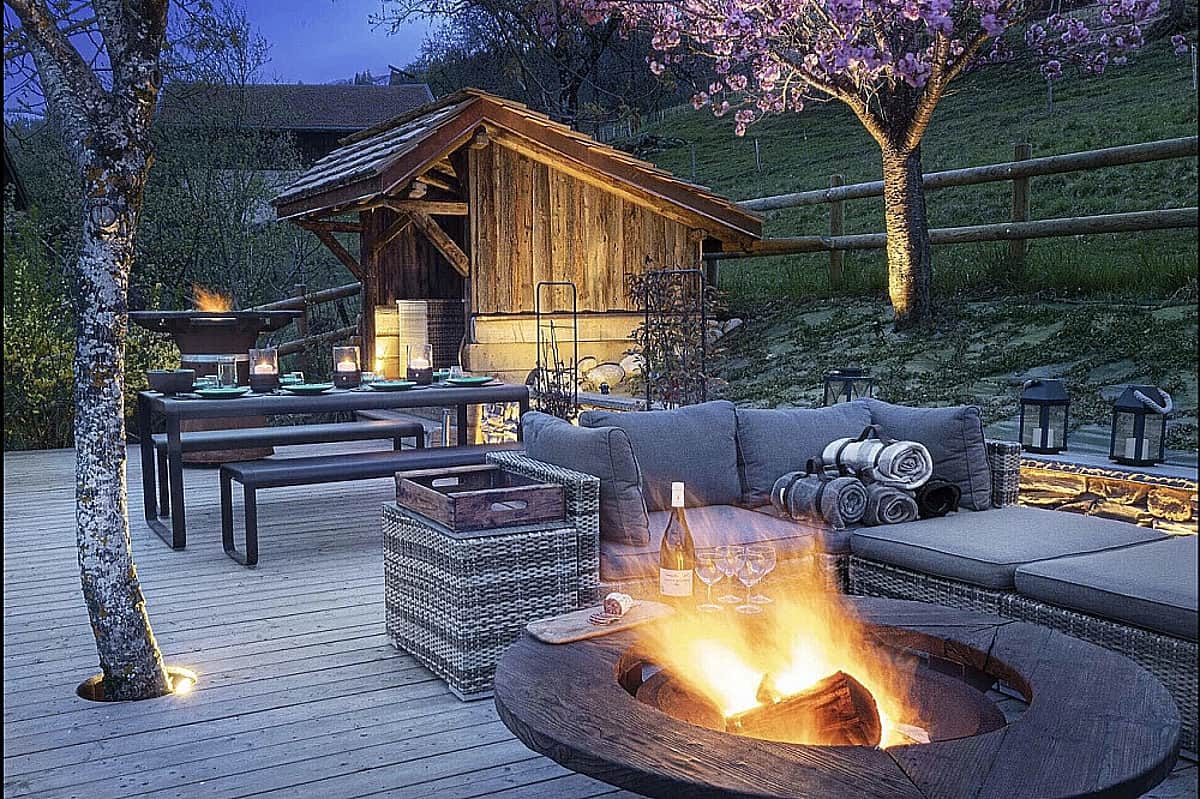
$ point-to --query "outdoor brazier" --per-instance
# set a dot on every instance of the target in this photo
(1096, 724)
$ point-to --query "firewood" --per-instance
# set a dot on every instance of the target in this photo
(1052, 482)
(1121, 492)
(1125, 513)
(838, 710)
(1175, 506)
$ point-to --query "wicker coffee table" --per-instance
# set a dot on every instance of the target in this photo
(456, 600)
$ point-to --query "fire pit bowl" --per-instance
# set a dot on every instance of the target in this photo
(1097, 725)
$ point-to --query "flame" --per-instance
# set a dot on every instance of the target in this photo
(210, 299)
(807, 635)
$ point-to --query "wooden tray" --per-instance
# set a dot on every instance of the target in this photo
(479, 497)
(575, 626)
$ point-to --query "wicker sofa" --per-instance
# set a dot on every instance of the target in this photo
(1001, 560)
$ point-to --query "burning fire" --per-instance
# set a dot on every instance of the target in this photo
(210, 300)
(809, 636)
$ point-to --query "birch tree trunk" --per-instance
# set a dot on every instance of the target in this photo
(910, 265)
(106, 131)
(129, 656)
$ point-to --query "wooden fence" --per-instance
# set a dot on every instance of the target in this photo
(303, 301)
(1016, 231)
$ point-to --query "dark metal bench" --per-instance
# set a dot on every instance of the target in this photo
(284, 435)
(280, 472)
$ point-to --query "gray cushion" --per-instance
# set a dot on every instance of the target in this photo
(772, 443)
(1151, 586)
(602, 452)
(711, 526)
(986, 548)
(954, 438)
(695, 444)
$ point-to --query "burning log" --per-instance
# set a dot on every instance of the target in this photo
(838, 710)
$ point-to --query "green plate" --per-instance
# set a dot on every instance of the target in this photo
(441, 374)
(392, 385)
(305, 389)
(478, 380)
(224, 392)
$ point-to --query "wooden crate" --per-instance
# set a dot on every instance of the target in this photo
(479, 497)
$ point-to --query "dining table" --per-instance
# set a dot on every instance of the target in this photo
(174, 409)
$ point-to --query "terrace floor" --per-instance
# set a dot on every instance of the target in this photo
(300, 694)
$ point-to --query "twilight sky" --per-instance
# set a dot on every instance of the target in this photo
(320, 41)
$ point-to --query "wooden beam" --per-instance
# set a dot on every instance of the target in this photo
(438, 181)
(417, 190)
(341, 253)
(389, 235)
(332, 226)
(434, 207)
(444, 244)
(480, 139)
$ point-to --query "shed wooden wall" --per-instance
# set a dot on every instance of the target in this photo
(530, 223)
(409, 267)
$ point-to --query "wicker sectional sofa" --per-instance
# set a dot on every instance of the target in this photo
(1127, 588)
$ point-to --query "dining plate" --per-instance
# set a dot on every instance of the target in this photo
(305, 389)
(392, 385)
(223, 392)
(441, 374)
(477, 380)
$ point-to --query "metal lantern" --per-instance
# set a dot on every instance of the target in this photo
(1044, 405)
(1139, 426)
(846, 384)
(347, 370)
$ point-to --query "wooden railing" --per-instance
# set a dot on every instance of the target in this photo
(1016, 231)
(303, 301)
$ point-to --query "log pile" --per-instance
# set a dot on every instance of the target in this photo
(836, 711)
(1128, 497)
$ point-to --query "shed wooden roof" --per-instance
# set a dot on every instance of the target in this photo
(381, 161)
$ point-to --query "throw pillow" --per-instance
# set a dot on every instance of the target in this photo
(602, 452)
(696, 444)
(954, 438)
(774, 442)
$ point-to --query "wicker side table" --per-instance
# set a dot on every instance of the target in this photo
(456, 600)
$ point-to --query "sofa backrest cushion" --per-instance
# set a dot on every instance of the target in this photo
(954, 438)
(602, 452)
(772, 443)
(696, 444)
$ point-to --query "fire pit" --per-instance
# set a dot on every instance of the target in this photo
(1096, 725)
(207, 335)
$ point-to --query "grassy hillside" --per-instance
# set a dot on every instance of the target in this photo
(1101, 311)
(978, 123)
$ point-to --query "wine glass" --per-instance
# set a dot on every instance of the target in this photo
(768, 555)
(729, 559)
(751, 570)
(708, 569)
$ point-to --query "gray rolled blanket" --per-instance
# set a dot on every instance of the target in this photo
(887, 505)
(839, 502)
(902, 464)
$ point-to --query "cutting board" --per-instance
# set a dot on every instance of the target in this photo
(575, 626)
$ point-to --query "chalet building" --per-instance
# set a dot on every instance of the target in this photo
(471, 202)
(316, 115)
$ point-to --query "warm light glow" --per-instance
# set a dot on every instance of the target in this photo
(182, 681)
(810, 634)
(419, 363)
(346, 366)
(210, 300)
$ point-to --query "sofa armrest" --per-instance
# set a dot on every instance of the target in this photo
(582, 494)
(1004, 462)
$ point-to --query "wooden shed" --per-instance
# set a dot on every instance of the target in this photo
(476, 199)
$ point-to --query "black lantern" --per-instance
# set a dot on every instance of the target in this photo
(844, 385)
(1044, 406)
(1139, 426)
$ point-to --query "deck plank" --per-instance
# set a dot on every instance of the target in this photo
(300, 694)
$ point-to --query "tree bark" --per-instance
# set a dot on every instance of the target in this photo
(910, 265)
(129, 656)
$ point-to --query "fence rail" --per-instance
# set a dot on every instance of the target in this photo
(303, 301)
(1015, 231)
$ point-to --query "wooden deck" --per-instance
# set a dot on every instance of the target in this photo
(300, 694)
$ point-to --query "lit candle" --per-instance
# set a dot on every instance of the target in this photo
(346, 366)
(264, 369)
(419, 363)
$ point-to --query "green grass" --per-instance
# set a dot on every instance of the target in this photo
(978, 122)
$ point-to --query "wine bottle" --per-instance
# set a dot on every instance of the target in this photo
(677, 555)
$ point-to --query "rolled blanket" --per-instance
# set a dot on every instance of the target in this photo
(899, 464)
(937, 498)
(839, 501)
(888, 505)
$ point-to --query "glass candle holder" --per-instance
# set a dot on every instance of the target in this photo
(347, 370)
(264, 370)
(420, 363)
(227, 371)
